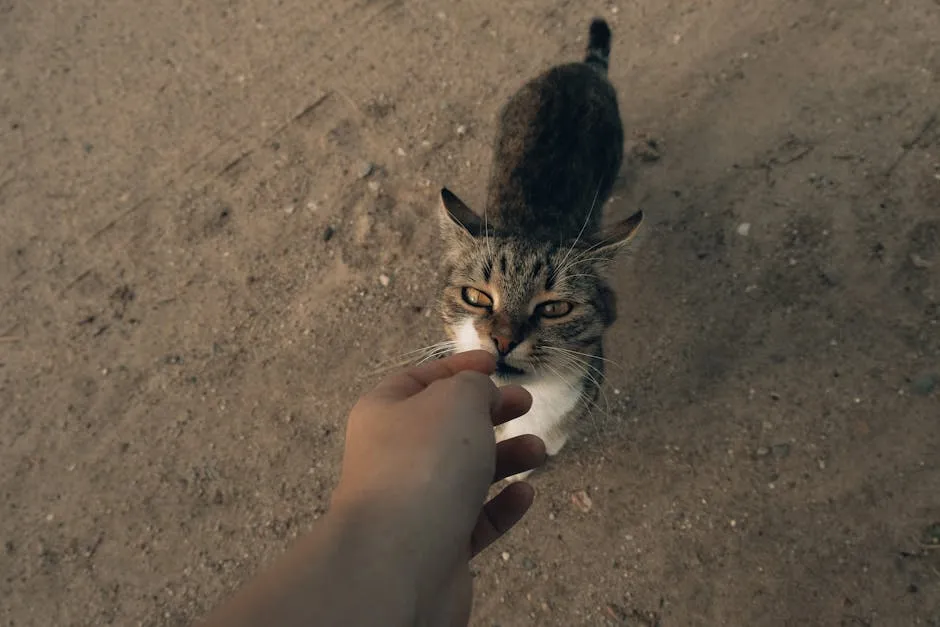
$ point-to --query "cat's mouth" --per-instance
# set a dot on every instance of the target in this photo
(504, 369)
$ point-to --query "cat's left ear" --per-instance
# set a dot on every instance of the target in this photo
(617, 236)
(457, 217)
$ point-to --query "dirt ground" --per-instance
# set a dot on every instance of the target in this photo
(217, 225)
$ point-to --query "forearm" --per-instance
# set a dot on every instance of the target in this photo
(346, 571)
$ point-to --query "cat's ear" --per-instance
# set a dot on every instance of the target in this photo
(457, 217)
(617, 236)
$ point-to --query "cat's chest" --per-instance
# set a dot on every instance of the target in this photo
(553, 397)
(552, 400)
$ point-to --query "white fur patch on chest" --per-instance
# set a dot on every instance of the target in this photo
(553, 398)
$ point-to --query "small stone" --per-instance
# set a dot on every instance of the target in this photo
(920, 262)
(582, 501)
(931, 535)
(461, 130)
(925, 384)
(289, 209)
(647, 150)
(821, 463)
(551, 516)
(384, 280)
(401, 152)
(744, 229)
(763, 451)
(374, 186)
(505, 556)
(366, 169)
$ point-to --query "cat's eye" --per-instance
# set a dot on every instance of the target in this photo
(476, 298)
(555, 309)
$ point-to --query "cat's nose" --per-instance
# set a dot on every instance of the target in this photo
(504, 345)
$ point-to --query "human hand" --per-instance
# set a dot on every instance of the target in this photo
(421, 454)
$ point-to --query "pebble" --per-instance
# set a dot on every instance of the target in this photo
(328, 233)
(461, 129)
(366, 169)
(505, 556)
(401, 152)
(384, 280)
(289, 209)
(920, 262)
(582, 501)
(374, 186)
(744, 229)
(925, 384)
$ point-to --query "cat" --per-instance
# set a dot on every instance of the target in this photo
(524, 279)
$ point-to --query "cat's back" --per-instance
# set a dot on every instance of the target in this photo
(559, 147)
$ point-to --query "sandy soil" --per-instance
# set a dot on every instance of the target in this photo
(217, 225)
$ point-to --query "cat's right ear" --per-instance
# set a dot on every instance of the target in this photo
(457, 218)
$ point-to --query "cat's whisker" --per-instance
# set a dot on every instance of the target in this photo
(584, 370)
(581, 367)
(417, 356)
(587, 219)
(582, 397)
(588, 355)
(571, 359)
(586, 260)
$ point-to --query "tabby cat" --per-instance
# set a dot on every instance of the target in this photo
(524, 278)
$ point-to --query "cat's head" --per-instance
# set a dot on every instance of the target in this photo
(539, 306)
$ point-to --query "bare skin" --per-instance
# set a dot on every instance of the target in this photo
(410, 509)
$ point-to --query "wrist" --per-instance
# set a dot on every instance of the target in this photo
(404, 537)
(368, 558)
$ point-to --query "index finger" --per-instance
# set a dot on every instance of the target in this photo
(406, 384)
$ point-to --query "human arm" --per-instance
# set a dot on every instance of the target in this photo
(408, 513)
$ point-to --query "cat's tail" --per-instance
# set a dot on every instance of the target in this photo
(598, 48)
